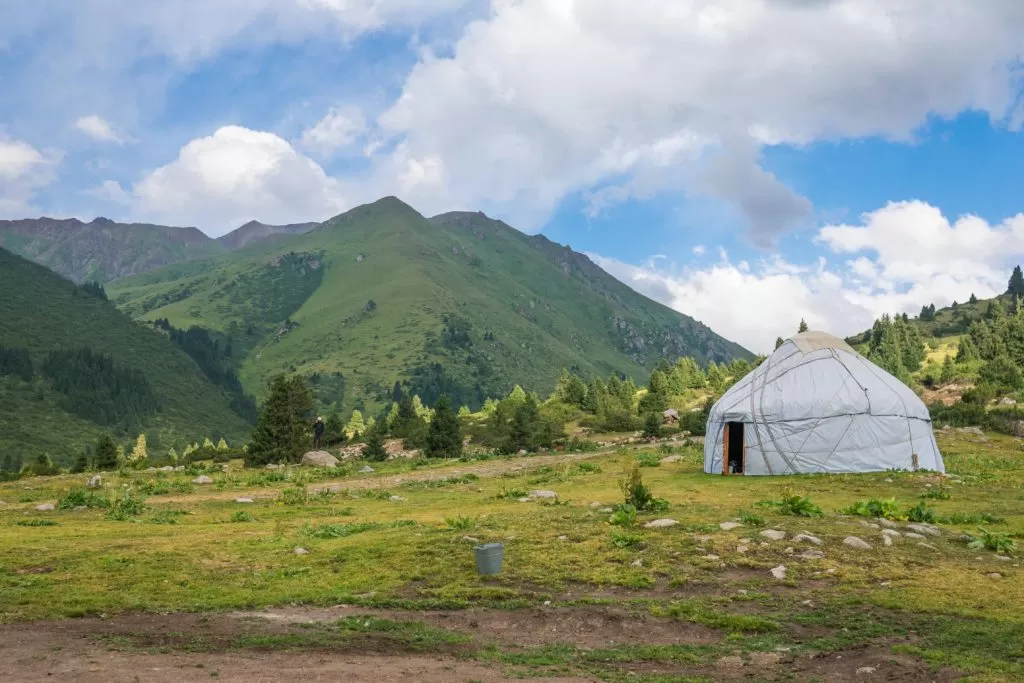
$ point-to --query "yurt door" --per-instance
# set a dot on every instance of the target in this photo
(734, 450)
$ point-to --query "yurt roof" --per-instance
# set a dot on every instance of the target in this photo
(811, 341)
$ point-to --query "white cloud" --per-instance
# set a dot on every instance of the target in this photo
(545, 98)
(110, 191)
(23, 171)
(341, 128)
(98, 129)
(910, 256)
(236, 175)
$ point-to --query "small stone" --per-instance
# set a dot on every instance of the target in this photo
(743, 540)
(788, 551)
(712, 558)
(887, 541)
(926, 529)
(46, 507)
(773, 534)
(807, 603)
(167, 468)
(888, 480)
(890, 532)
(396, 499)
(470, 539)
(866, 670)
(541, 493)
(522, 451)
(637, 563)
(366, 469)
(606, 510)
(994, 575)
(763, 544)
(660, 523)
(1004, 558)
(202, 479)
(671, 459)
(243, 500)
(527, 500)
(811, 555)
(179, 468)
(563, 538)
(301, 551)
(742, 549)
(596, 505)
(273, 466)
(911, 534)
(858, 543)
(779, 572)
(95, 482)
(799, 538)
(887, 523)
(869, 525)
(927, 545)
(729, 526)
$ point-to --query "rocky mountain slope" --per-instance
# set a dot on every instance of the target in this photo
(254, 231)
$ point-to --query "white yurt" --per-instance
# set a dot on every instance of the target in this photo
(816, 405)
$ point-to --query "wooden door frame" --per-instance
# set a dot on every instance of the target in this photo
(725, 450)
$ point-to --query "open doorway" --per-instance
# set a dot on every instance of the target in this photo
(734, 448)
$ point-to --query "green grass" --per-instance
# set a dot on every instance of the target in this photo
(32, 420)
(530, 308)
(368, 550)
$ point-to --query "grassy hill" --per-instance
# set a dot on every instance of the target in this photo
(254, 231)
(460, 304)
(135, 379)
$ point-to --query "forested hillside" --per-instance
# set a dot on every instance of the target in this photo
(72, 367)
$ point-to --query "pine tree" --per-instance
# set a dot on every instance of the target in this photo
(222, 445)
(139, 454)
(106, 454)
(8, 465)
(973, 299)
(803, 326)
(779, 341)
(444, 438)
(81, 464)
(172, 455)
(120, 455)
(208, 444)
(524, 427)
(464, 412)
(281, 433)
(355, 425)
(652, 426)
(948, 370)
(334, 430)
(1016, 283)
(374, 449)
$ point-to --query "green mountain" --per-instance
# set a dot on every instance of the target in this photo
(254, 231)
(103, 250)
(459, 304)
(73, 367)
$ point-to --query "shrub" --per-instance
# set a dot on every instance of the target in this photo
(792, 504)
(751, 519)
(937, 493)
(920, 513)
(625, 539)
(460, 523)
(648, 459)
(652, 426)
(76, 498)
(166, 517)
(126, 505)
(638, 494)
(241, 516)
(35, 522)
(577, 445)
(624, 515)
(1001, 542)
(513, 494)
(875, 508)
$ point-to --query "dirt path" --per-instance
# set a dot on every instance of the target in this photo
(484, 470)
(309, 645)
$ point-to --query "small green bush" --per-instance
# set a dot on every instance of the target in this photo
(126, 505)
(625, 539)
(877, 508)
(792, 504)
(76, 498)
(241, 516)
(920, 513)
(460, 523)
(638, 494)
(624, 515)
(1000, 542)
(751, 519)
(35, 522)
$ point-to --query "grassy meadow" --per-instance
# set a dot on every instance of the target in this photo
(401, 539)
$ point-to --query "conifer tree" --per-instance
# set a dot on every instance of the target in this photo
(281, 433)
(172, 455)
(973, 299)
(374, 449)
(444, 437)
(81, 464)
(222, 445)
(139, 453)
(355, 425)
(106, 454)
(1016, 283)
(779, 341)
(803, 326)
(652, 426)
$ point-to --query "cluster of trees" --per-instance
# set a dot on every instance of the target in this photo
(896, 346)
(216, 362)
(97, 389)
(994, 346)
(16, 362)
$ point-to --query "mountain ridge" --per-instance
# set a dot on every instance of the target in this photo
(460, 304)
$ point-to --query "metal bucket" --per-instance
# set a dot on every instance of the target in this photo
(489, 557)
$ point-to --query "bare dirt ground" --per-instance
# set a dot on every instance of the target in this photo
(240, 646)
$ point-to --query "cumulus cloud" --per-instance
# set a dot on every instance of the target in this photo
(110, 191)
(23, 171)
(98, 129)
(907, 255)
(340, 129)
(233, 176)
(545, 98)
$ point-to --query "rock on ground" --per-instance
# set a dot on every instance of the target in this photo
(366, 469)
(866, 670)
(779, 572)
(671, 458)
(811, 555)
(891, 532)
(318, 459)
(911, 534)
(202, 479)
(95, 482)
(773, 534)
(858, 543)
(243, 500)
(660, 523)
(926, 529)
(729, 526)
(808, 538)
(540, 493)
(301, 551)
(46, 507)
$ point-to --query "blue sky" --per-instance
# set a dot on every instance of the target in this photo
(721, 156)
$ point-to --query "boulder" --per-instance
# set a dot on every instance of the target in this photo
(779, 572)
(540, 493)
(926, 529)
(95, 482)
(272, 466)
(301, 551)
(858, 543)
(891, 532)
(366, 469)
(911, 534)
(202, 479)
(807, 538)
(729, 526)
(671, 459)
(660, 523)
(811, 555)
(773, 534)
(46, 507)
(318, 459)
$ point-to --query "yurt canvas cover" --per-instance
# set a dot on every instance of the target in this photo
(816, 405)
